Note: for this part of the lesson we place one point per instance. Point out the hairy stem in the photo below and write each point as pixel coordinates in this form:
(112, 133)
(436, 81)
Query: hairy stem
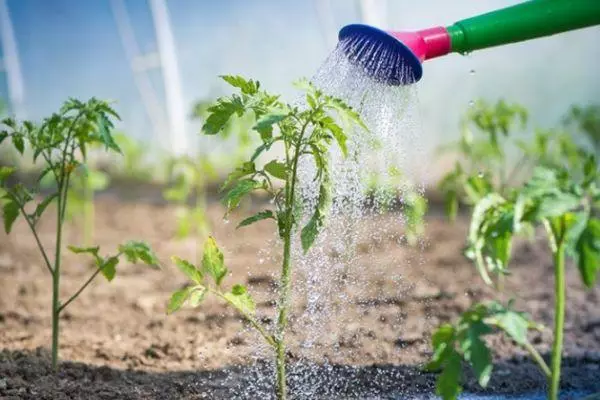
(559, 319)
(88, 212)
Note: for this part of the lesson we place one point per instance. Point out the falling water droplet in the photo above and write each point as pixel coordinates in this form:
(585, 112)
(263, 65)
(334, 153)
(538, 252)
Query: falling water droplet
(225, 220)
(261, 260)
(481, 174)
(472, 71)
(471, 103)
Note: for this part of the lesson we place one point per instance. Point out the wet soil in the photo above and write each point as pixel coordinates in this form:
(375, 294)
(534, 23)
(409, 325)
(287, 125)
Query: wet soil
(118, 342)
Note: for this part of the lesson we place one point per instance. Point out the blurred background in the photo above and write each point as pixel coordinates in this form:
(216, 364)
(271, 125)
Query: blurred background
(157, 58)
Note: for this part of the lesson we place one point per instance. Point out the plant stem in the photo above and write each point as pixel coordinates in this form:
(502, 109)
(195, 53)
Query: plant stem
(56, 282)
(285, 279)
(78, 292)
(538, 359)
(88, 212)
(559, 319)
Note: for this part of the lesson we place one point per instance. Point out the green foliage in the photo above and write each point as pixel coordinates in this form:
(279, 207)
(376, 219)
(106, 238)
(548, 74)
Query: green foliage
(133, 164)
(466, 341)
(586, 120)
(484, 165)
(301, 132)
(563, 200)
(62, 142)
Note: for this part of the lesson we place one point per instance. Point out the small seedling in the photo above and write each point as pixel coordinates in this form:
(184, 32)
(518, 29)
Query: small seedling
(567, 204)
(61, 141)
(189, 179)
(302, 132)
(483, 152)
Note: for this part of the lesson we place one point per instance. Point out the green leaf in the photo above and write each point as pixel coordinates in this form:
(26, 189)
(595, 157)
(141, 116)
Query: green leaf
(3, 136)
(241, 299)
(451, 203)
(220, 114)
(345, 111)
(212, 261)
(277, 169)
(267, 214)
(10, 212)
(188, 269)
(18, 142)
(448, 382)
(178, 298)
(337, 132)
(108, 267)
(515, 324)
(442, 341)
(264, 125)
(197, 296)
(84, 250)
(588, 252)
(246, 86)
(242, 188)
(139, 251)
(41, 207)
(476, 352)
(5, 172)
(313, 227)
(245, 169)
(104, 127)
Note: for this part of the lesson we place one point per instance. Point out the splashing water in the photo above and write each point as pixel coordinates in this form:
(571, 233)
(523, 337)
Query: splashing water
(329, 282)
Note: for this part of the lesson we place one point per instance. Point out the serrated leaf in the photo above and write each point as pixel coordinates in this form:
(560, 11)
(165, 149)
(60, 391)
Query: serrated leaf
(18, 142)
(267, 214)
(588, 252)
(476, 352)
(310, 232)
(178, 299)
(220, 114)
(337, 132)
(245, 169)
(189, 269)
(212, 261)
(10, 212)
(264, 125)
(136, 251)
(241, 299)
(442, 341)
(41, 207)
(238, 191)
(104, 127)
(448, 382)
(108, 267)
(246, 86)
(277, 169)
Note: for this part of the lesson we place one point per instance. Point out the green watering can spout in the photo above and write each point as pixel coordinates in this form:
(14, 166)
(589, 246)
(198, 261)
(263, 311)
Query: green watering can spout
(395, 58)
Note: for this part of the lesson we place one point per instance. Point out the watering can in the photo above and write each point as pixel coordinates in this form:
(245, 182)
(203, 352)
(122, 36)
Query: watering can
(396, 58)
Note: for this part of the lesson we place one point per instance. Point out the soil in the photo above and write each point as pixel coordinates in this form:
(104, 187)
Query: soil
(118, 342)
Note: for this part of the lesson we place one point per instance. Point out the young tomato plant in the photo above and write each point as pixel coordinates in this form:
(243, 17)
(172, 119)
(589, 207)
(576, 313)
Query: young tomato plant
(61, 141)
(189, 179)
(301, 132)
(483, 152)
(567, 204)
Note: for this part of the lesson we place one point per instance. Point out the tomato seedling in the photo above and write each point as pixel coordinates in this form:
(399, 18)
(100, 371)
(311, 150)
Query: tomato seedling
(566, 203)
(307, 131)
(61, 141)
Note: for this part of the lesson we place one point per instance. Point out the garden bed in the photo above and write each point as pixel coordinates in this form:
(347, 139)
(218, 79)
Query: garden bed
(121, 344)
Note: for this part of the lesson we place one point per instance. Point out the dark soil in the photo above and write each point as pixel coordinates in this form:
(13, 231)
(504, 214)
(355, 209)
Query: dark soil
(119, 342)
